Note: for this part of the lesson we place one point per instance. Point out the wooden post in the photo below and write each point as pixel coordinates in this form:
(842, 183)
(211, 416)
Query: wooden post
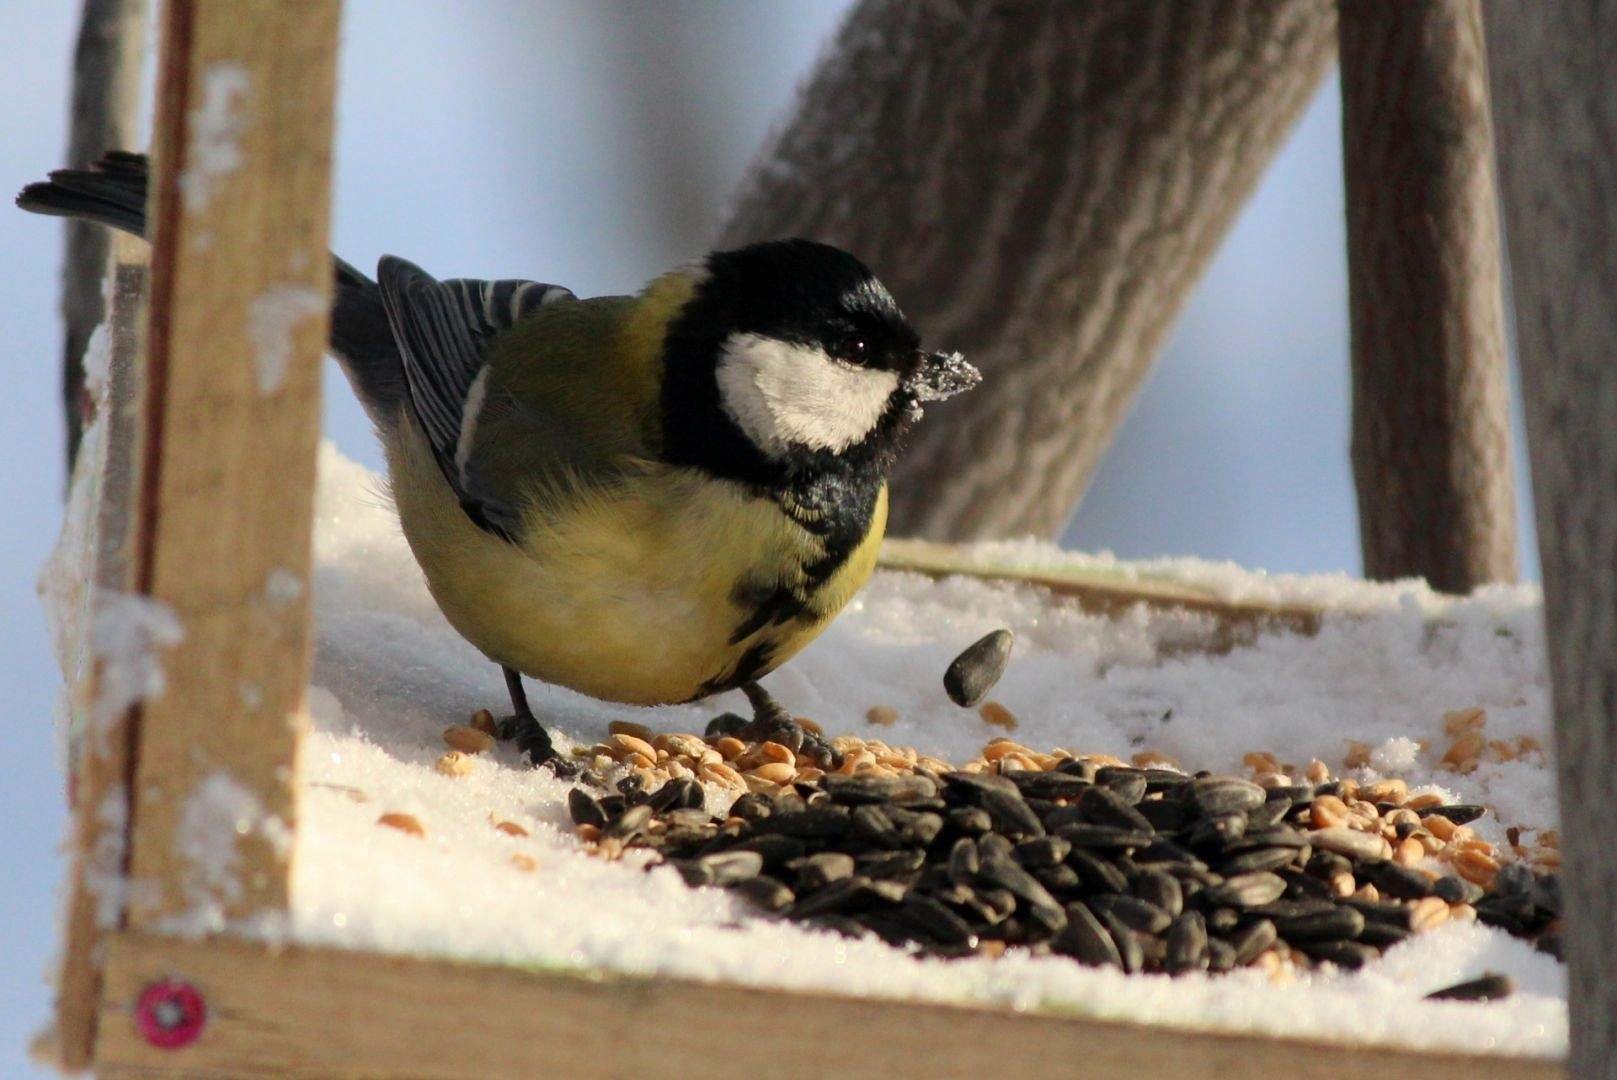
(99, 739)
(1431, 424)
(1555, 87)
(235, 335)
(1040, 185)
(105, 108)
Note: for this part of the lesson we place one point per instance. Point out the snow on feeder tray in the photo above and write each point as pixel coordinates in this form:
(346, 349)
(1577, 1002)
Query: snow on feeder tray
(1383, 727)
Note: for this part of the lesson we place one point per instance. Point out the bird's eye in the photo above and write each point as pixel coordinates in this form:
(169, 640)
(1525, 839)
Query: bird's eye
(850, 349)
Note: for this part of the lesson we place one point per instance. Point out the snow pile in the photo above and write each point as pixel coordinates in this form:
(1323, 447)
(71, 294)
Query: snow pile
(390, 675)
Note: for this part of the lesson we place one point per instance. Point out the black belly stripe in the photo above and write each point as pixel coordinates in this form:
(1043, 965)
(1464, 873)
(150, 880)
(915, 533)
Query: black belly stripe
(837, 509)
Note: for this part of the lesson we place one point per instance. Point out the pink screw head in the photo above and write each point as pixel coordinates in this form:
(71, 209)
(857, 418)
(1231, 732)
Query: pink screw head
(171, 1014)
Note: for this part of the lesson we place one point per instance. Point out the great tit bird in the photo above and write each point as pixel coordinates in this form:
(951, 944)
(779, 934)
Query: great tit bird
(649, 498)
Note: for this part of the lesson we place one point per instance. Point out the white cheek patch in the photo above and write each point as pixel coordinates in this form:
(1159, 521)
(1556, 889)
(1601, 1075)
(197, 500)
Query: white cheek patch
(785, 395)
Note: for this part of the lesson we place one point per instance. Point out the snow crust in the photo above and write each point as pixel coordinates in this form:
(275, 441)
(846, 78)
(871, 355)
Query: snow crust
(213, 149)
(271, 321)
(390, 675)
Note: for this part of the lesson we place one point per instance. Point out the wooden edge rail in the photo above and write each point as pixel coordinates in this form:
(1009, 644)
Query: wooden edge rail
(322, 1012)
(1103, 593)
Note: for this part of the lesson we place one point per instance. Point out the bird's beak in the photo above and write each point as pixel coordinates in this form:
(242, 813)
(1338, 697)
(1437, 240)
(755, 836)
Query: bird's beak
(940, 376)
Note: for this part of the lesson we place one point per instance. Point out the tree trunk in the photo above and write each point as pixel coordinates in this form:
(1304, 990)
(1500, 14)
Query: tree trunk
(1555, 87)
(106, 92)
(1431, 397)
(1040, 185)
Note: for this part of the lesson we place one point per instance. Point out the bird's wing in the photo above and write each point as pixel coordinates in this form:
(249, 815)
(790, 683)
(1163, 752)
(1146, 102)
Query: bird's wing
(443, 330)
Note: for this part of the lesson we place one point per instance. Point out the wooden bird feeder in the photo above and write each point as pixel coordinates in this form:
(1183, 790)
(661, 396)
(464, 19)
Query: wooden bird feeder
(206, 506)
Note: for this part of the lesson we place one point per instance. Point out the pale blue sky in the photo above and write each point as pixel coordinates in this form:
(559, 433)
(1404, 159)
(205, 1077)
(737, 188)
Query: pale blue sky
(503, 138)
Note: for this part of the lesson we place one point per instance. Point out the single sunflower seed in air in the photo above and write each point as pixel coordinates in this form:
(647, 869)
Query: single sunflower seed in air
(975, 671)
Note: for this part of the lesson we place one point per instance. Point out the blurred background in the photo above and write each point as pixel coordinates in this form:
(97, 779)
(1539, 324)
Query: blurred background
(595, 143)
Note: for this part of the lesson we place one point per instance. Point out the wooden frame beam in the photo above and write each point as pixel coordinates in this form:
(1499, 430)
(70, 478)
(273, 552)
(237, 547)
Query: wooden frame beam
(1555, 87)
(318, 1012)
(1431, 412)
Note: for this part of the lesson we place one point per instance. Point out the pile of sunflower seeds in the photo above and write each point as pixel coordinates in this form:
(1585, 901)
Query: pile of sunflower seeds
(1144, 869)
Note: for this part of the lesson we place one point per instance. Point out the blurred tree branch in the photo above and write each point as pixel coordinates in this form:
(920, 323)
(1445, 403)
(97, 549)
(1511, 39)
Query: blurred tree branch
(1431, 396)
(106, 92)
(1041, 185)
(1555, 92)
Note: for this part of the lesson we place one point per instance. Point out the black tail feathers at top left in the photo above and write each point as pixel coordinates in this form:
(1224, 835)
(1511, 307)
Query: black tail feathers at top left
(113, 192)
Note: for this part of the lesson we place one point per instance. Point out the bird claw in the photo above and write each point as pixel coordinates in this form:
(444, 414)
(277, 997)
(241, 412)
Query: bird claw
(772, 723)
(531, 739)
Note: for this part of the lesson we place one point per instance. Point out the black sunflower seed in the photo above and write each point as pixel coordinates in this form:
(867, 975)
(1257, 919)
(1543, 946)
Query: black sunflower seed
(767, 892)
(752, 807)
(964, 861)
(914, 830)
(1215, 795)
(879, 789)
(584, 809)
(1383, 935)
(1165, 815)
(1127, 784)
(1187, 943)
(886, 864)
(1136, 914)
(872, 825)
(1096, 874)
(821, 869)
(839, 897)
(1223, 920)
(1127, 941)
(1394, 880)
(1010, 813)
(730, 867)
(1086, 940)
(970, 820)
(1489, 987)
(775, 850)
(1036, 784)
(936, 921)
(1101, 805)
(1456, 890)
(1459, 813)
(1337, 924)
(1255, 859)
(975, 671)
(1252, 940)
(1163, 890)
(1217, 833)
(1042, 851)
(1104, 837)
(629, 823)
(1220, 955)
(1347, 954)
(1058, 878)
(1247, 890)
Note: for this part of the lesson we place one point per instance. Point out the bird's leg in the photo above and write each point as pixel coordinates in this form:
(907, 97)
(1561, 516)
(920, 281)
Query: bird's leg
(772, 723)
(523, 727)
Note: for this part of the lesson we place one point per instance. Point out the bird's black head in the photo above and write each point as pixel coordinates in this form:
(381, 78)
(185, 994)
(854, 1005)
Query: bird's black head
(791, 357)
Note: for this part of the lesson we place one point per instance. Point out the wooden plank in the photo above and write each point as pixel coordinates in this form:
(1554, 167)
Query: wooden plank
(1555, 88)
(314, 1012)
(1236, 622)
(99, 744)
(239, 294)
(1431, 413)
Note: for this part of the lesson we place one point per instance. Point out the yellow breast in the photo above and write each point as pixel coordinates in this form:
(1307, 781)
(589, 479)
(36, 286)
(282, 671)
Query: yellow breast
(630, 593)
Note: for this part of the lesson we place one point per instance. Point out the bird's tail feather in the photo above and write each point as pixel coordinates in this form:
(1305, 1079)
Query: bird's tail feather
(113, 192)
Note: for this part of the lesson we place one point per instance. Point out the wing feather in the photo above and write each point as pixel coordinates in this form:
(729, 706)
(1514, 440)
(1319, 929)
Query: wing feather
(443, 330)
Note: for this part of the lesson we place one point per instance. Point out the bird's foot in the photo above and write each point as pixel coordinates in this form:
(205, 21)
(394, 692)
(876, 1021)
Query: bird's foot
(772, 723)
(524, 729)
(531, 739)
